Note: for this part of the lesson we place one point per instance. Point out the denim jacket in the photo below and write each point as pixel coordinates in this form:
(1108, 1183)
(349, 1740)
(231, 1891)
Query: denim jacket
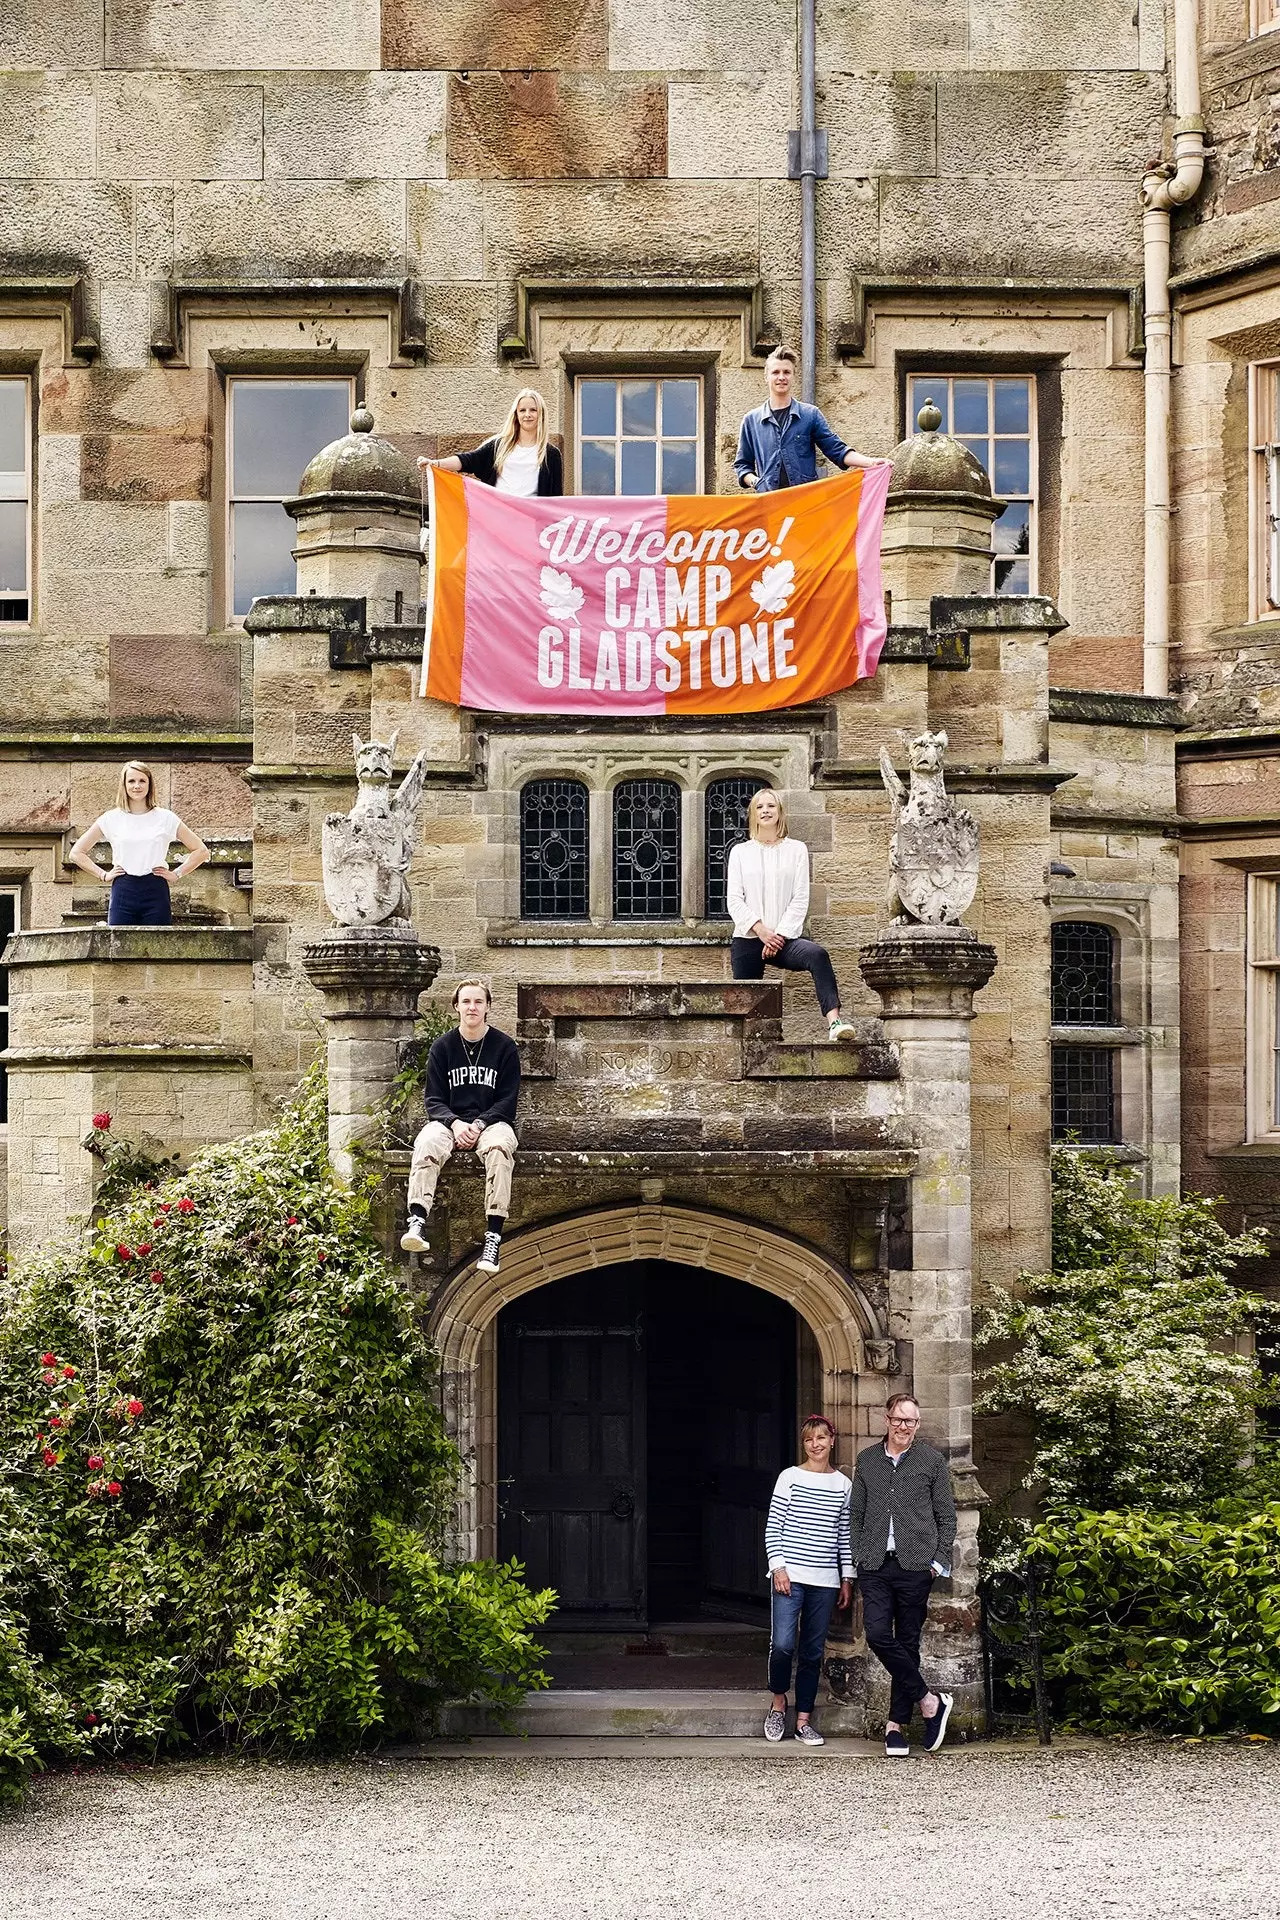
(789, 457)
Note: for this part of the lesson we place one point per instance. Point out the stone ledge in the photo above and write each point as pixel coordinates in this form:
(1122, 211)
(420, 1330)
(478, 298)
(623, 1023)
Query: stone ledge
(996, 613)
(1034, 777)
(307, 613)
(1114, 709)
(709, 1000)
(164, 945)
(869, 1163)
(37, 1059)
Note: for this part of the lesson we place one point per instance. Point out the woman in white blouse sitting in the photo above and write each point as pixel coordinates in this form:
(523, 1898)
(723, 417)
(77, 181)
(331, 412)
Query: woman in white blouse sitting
(140, 833)
(519, 459)
(768, 898)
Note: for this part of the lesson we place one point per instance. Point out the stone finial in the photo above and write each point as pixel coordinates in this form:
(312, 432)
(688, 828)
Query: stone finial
(933, 856)
(929, 418)
(366, 852)
(362, 420)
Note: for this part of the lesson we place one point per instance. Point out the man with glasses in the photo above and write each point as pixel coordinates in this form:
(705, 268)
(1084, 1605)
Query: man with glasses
(903, 1523)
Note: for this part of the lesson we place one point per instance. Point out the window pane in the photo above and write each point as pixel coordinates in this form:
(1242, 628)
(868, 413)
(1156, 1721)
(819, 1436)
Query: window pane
(597, 400)
(639, 466)
(1013, 576)
(278, 426)
(929, 389)
(597, 466)
(680, 408)
(1012, 531)
(679, 466)
(1013, 467)
(1013, 406)
(553, 850)
(639, 406)
(726, 817)
(1081, 974)
(13, 426)
(262, 541)
(13, 546)
(646, 850)
(981, 451)
(1083, 1099)
(970, 401)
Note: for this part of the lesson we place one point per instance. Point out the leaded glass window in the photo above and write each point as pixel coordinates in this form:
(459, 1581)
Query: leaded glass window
(646, 850)
(726, 824)
(1082, 975)
(1084, 1094)
(554, 846)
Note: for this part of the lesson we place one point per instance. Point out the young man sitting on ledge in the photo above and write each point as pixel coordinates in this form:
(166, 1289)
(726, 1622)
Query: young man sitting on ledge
(473, 1085)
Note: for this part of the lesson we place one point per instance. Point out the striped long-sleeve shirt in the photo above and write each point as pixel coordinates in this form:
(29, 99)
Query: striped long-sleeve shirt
(807, 1531)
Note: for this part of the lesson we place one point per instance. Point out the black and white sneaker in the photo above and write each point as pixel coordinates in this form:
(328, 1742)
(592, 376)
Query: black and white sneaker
(414, 1238)
(896, 1744)
(935, 1725)
(490, 1253)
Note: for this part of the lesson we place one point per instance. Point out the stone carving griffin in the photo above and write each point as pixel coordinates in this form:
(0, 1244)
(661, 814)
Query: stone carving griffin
(933, 857)
(366, 853)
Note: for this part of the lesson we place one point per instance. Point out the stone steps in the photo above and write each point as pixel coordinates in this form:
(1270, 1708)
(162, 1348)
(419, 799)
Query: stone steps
(605, 1712)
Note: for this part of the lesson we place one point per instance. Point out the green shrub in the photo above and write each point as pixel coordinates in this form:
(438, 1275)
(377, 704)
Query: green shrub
(1164, 1621)
(1122, 1356)
(224, 1479)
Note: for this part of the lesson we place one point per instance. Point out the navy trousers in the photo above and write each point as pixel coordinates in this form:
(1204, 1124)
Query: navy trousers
(140, 900)
(746, 958)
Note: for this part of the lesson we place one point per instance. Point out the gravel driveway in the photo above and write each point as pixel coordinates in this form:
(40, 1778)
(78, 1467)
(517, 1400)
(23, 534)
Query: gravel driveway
(972, 1835)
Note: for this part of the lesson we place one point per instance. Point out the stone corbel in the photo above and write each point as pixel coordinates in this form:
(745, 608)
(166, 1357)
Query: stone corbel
(881, 1355)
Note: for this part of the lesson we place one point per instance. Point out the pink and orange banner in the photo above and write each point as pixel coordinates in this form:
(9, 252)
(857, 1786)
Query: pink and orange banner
(677, 604)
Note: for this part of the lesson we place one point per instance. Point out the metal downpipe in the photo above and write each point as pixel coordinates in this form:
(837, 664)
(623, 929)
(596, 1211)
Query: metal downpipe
(808, 202)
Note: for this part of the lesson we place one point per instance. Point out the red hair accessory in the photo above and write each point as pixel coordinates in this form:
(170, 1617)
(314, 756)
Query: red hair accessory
(818, 1420)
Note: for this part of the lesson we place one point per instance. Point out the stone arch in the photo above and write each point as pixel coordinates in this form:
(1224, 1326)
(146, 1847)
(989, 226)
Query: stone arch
(843, 1321)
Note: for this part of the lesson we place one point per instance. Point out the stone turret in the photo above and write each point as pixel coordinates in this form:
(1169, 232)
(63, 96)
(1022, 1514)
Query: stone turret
(937, 524)
(359, 513)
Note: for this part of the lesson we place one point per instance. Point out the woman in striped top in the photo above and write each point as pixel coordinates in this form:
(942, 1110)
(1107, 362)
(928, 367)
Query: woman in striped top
(811, 1567)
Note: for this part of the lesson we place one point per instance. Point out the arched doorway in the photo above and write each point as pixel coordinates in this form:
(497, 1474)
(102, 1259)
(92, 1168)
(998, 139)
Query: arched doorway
(844, 1325)
(644, 1411)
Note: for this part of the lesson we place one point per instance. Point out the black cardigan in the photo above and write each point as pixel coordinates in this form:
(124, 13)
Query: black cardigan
(479, 464)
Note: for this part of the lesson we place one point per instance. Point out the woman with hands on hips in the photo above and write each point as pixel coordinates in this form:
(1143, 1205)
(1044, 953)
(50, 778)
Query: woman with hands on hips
(140, 834)
(810, 1570)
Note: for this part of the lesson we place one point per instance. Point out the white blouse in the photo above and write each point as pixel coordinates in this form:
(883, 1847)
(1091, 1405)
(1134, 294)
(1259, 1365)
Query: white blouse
(768, 883)
(139, 841)
(519, 473)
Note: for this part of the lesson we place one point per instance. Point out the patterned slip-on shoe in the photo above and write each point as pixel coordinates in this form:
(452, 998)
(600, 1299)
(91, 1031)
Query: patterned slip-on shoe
(808, 1736)
(775, 1724)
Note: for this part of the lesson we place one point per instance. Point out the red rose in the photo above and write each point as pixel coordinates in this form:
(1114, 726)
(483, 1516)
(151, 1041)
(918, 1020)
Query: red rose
(48, 1359)
(68, 1373)
(49, 1457)
(49, 1377)
(133, 1408)
(157, 1278)
(96, 1463)
(321, 1255)
(55, 1421)
(114, 1489)
(91, 1719)
(165, 1208)
(292, 1221)
(143, 1246)
(186, 1206)
(102, 1121)
(123, 1252)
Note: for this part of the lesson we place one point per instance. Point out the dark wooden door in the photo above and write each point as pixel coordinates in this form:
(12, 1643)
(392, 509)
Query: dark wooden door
(571, 1445)
(749, 1428)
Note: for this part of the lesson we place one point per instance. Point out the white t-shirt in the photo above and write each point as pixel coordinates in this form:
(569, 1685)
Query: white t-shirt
(139, 841)
(520, 472)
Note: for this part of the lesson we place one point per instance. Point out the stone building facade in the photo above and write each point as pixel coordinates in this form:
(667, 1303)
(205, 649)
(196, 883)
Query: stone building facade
(223, 225)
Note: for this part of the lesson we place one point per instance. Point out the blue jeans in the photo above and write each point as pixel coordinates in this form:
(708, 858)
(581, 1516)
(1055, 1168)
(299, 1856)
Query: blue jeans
(798, 1629)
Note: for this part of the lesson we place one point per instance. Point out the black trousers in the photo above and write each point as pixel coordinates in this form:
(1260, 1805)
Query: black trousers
(140, 900)
(746, 957)
(894, 1605)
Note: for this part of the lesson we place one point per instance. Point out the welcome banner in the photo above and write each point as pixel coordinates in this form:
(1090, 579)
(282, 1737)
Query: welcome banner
(675, 604)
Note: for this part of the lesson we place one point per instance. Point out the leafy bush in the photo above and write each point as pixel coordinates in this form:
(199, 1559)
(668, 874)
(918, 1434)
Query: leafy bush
(1123, 1357)
(1162, 1621)
(224, 1479)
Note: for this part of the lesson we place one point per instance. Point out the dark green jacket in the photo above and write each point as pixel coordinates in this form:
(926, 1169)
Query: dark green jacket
(917, 1492)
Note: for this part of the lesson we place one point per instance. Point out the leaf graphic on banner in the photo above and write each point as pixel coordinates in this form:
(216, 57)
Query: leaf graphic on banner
(775, 587)
(559, 595)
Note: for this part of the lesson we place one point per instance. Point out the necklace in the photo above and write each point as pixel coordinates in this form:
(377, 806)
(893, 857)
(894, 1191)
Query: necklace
(473, 1058)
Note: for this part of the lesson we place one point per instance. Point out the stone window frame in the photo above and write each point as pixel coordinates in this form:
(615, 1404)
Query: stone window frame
(948, 373)
(24, 375)
(678, 364)
(237, 376)
(1262, 1009)
(1129, 1034)
(1264, 487)
(9, 890)
(516, 758)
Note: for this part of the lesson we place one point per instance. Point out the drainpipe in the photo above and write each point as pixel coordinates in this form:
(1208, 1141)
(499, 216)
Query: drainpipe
(1164, 187)
(807, 163)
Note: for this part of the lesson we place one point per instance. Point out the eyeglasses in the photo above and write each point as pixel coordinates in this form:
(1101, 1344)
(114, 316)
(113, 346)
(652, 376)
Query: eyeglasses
(904, 1420)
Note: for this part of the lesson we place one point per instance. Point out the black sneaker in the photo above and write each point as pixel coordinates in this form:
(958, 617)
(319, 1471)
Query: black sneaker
(935, 1726)
(414, 1238)
(896, 1743)
(490, 1253)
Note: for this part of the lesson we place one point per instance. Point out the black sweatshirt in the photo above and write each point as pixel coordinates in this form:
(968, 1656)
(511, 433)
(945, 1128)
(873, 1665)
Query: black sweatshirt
(473, 1080)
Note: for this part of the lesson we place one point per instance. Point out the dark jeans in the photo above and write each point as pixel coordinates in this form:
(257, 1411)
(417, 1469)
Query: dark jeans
(746, 957)
(798, 1628)
(894, 1605)
(140, 900)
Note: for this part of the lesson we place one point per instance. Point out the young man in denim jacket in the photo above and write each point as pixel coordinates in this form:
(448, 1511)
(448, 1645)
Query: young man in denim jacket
(778, 442)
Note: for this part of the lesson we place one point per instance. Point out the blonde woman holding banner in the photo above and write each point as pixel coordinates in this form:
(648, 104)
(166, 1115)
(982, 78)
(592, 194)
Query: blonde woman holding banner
(519, 459)
(768, 900)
